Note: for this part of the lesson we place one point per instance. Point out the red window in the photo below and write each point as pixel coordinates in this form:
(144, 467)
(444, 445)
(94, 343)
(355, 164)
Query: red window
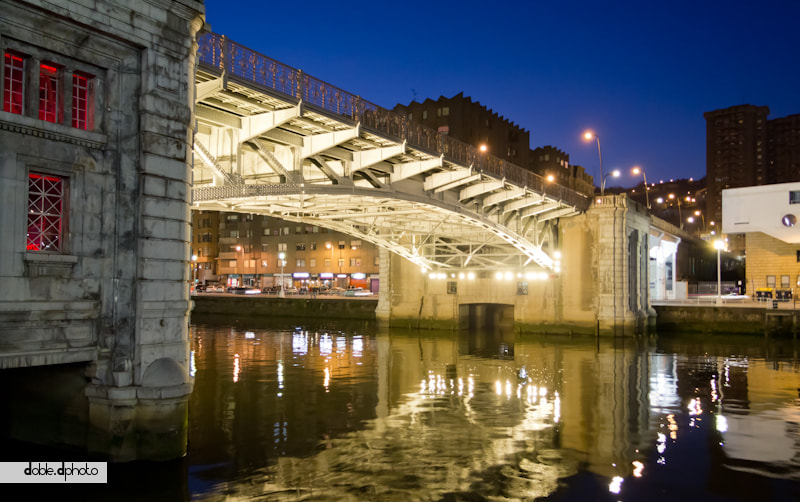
(46, 195)
(49, 106)
(13, 84)
(80, 101)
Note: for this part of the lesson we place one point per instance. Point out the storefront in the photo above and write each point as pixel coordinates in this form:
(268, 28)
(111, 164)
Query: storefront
(358, 280)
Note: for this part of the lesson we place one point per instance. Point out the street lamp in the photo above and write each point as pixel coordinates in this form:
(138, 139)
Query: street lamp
(719, 245)
(194, 268)
(588, 136)
(678, 200)
(614, 173)
(637, 170)
(241, 277)
(281, 257)
(703, 218)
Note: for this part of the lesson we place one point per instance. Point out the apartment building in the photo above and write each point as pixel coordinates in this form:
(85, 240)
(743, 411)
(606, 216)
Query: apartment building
(237, 249)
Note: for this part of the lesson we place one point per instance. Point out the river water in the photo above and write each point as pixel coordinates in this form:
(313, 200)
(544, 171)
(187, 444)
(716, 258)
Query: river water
(345, 411)
(350, 412)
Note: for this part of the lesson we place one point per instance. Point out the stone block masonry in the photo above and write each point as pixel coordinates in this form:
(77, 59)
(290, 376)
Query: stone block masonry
(114, 294)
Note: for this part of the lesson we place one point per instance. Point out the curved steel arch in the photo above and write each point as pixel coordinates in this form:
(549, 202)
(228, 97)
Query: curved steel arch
(429, 232)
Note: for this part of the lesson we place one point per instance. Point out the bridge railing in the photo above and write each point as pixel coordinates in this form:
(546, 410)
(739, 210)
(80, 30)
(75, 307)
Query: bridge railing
(218, 52)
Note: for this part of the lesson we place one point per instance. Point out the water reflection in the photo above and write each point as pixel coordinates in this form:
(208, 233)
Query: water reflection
(347, 412)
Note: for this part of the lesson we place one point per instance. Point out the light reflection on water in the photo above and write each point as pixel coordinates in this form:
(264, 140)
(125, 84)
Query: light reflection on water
(349, 412)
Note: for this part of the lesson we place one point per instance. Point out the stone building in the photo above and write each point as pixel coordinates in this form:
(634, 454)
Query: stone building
(95, 178)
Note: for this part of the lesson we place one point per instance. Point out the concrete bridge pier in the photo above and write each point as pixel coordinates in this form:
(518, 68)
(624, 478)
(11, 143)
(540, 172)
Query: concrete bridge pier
(602, 285)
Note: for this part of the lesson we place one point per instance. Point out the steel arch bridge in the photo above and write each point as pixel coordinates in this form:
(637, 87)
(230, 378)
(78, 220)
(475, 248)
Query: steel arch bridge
(272, 140)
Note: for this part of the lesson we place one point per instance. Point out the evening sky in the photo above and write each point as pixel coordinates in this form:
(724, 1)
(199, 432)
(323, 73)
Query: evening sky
(640, 73)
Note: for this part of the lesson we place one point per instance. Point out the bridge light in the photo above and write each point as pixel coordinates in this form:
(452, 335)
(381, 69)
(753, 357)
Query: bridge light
(542, 275)
(557, 255)
(461, 275)
(498, 275)
(432, 275)
(509, 276)
(471, 275)
(483, 147)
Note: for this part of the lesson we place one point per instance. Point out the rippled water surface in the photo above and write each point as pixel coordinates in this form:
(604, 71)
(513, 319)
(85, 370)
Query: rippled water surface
(349, 412)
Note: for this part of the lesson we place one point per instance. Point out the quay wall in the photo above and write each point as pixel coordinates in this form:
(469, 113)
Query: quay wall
(721, 319)
(271, 306)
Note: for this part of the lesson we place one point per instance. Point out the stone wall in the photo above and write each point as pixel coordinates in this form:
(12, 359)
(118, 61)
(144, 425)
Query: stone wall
(721, 320)
(116, 294)
(298, 308)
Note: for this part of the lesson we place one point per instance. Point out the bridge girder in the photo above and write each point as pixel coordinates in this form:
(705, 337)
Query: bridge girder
(274, 155)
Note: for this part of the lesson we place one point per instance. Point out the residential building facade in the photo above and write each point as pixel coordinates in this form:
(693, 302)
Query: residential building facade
(474, 124)
(240, 249)
(551, 161)
(744, 148)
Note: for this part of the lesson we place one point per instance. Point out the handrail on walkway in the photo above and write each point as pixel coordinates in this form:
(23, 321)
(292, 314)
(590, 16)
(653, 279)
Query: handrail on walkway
(216, 51)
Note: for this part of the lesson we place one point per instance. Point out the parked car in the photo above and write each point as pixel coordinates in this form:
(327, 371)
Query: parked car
(200, 288)
(218, 288)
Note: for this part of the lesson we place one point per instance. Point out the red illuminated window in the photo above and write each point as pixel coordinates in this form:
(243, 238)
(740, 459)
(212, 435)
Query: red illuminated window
(13, 83)
(80, 101)
(46, 194)
(49, 106)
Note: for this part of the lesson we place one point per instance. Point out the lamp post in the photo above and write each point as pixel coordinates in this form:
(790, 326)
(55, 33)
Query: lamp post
(194, 268)
(719, 245)
(281, 257)
(614, 173)
(588, 136)
(637, 170)
(678, 200)
(241, 276)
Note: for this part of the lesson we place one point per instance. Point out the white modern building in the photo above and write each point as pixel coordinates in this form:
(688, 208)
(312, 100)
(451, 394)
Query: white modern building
(769, 215)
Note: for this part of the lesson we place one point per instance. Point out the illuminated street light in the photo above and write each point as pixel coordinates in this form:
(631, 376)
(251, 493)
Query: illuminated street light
(194, 268)
(678, 200)
(241, 276)
(281, 257)
(588, 136)
(719, 245)
(615, 173)
(637, 170)
(483, 147)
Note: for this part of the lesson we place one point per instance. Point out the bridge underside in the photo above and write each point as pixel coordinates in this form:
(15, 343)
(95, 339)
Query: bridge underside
(283, 144)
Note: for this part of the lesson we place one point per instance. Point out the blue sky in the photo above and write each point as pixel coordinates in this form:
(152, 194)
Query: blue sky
(640, 74)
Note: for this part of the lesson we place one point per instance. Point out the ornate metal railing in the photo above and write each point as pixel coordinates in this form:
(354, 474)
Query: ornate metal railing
(216, 51)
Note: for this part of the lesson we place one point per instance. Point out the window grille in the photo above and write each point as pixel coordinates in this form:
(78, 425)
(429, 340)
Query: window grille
(45, 212)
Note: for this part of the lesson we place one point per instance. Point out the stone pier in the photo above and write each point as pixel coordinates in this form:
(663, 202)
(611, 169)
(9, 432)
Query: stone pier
(95, 163)
(602, 285)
